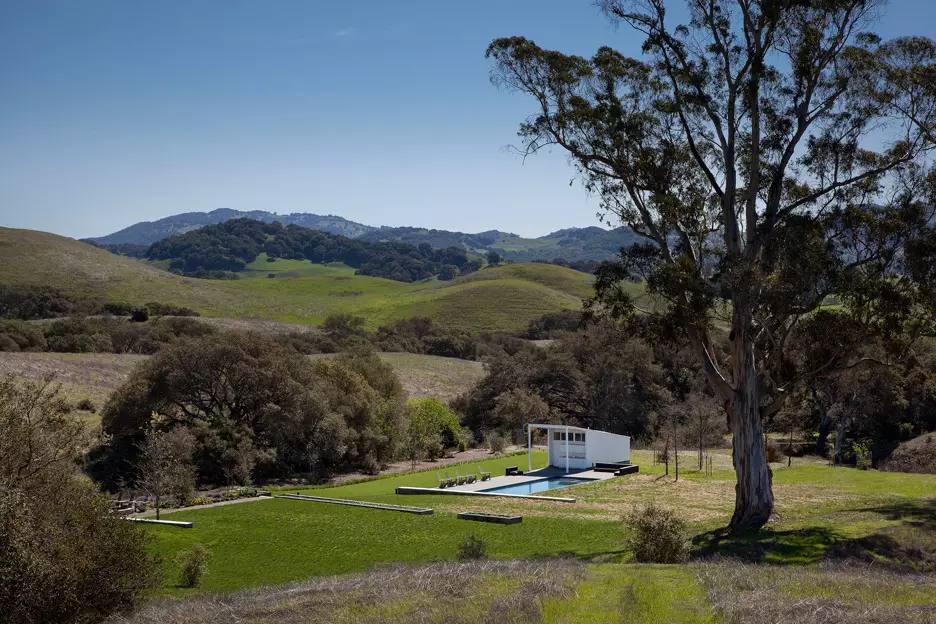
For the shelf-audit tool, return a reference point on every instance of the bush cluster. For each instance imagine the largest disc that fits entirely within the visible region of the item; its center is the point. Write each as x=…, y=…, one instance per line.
x=98, y=335
x=656, y=535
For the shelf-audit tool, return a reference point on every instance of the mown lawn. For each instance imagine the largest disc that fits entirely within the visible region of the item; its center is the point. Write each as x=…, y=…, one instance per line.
x=885, y=517
x=279, y=540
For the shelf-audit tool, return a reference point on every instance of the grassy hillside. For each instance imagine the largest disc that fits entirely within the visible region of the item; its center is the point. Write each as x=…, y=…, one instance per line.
x=96, y=375
x=301, y=292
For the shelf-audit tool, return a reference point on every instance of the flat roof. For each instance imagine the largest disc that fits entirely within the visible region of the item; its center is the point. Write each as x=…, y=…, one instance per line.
x=573, y=428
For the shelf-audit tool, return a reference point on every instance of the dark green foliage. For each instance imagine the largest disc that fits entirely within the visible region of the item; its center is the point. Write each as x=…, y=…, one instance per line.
x=656, y=535
x=63, y=556
x=431, y=420
x=862, y=451
x=448, y=272
x=255, y=407
x=471, y=548
x=140, y=315
x=193, y=565
x=85, y=405
x=493, y=258
x=230, y=246
x=98, y=335
x=168, y=309
x=607, y=377
x=552, y=323
x=585, y=266
x=343, y=327
x=21, y=336
x=420, y=335
x=130, y=250
x=34, y=302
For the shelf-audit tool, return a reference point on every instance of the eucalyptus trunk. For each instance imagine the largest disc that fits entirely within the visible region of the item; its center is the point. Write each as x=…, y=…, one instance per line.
x=753, y=490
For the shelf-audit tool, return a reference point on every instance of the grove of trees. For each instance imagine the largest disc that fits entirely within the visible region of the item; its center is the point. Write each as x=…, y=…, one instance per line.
x=774, y=155
x=232, y=245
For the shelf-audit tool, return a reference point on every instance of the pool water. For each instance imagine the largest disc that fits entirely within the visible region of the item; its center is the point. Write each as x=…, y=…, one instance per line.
x=540, y=485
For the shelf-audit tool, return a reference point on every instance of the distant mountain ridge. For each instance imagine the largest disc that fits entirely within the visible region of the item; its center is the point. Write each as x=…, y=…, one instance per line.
x=148, y=232
x=570, y=244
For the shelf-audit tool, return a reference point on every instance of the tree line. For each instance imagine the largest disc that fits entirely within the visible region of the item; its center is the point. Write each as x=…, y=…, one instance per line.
x=232, y=245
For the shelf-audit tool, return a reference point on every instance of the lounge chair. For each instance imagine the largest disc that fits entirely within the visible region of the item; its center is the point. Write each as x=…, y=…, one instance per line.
x=443, y=482
x=453, y=481
x=459, y=478
x=471, y=477
x=484, y=475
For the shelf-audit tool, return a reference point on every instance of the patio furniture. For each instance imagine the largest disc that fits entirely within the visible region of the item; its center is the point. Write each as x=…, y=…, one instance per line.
x=484, y=475
x=443, y=482
x=511, y=471
x=471, y=477
x=459, y=478
x=455, y=481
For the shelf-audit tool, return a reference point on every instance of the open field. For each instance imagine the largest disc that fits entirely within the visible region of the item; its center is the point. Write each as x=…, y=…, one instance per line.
x=506, y=297
x=828, y=516
x=569, y=591
x=82, y=375
x=96, y=375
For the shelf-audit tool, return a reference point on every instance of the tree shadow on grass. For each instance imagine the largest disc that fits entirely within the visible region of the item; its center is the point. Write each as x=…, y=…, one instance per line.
x=907, y=545
x=795, y=546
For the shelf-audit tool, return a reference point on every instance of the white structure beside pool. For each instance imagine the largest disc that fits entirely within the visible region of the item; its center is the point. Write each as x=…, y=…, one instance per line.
x=575, y=448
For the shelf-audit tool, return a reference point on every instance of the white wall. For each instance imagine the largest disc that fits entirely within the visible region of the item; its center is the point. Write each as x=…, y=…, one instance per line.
x=607, y=447
x=599, y=446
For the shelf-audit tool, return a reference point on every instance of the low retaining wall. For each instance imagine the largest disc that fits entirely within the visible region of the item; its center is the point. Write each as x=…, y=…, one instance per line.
x=487, y=517
x=175, y=523
x=354, y=503
x=422, y=490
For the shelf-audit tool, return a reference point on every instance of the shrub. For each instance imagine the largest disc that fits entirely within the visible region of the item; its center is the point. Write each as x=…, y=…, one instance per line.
x=496, y=442
x=657, y=535
x=433, y=449
x=85, y=405
x=862, y=452
x=200, y=500
x=471, y=548
x=34, y=302
x=193, y=565
x=64, y=557
x=773, y=451
x=140, y=315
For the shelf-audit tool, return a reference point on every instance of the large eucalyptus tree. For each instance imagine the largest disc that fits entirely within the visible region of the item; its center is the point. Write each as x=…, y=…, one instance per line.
x=774, y=155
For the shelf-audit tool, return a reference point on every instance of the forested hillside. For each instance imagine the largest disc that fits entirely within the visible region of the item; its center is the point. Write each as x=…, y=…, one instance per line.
x=232, y=245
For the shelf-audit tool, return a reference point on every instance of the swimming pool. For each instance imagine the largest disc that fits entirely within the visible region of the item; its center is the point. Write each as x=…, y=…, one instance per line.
x=540, y=485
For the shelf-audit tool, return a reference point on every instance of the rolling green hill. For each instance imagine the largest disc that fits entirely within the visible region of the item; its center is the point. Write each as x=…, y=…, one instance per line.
x=493, y=299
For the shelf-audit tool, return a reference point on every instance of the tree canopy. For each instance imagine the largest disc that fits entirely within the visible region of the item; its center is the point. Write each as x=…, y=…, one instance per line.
x=232, y=245
x=773, y=154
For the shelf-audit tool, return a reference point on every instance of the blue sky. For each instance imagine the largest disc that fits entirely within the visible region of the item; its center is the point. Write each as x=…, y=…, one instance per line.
x=117, y=111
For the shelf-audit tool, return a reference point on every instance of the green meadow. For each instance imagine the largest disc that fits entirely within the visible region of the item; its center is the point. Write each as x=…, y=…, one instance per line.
x=499, y=298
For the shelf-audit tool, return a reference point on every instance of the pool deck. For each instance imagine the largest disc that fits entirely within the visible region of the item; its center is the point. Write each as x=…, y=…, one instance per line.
x=536, y=475
x=477, y=488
